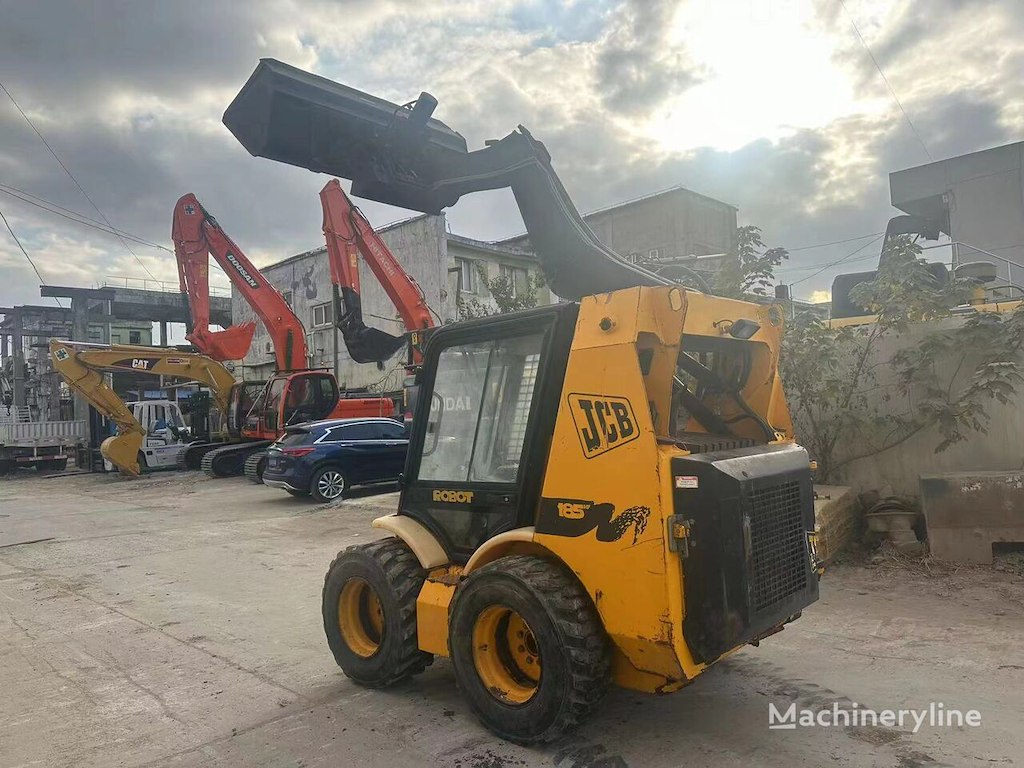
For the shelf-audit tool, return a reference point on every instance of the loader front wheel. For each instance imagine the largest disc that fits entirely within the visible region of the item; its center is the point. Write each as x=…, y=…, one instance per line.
x=528, y=648
x=369, y=612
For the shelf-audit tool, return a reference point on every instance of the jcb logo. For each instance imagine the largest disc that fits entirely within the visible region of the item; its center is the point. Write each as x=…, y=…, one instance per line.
x=603, y=422
x=573, y=510
x=454, y=497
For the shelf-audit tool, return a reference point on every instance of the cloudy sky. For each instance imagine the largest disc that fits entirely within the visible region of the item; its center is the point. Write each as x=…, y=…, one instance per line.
x=772, y=105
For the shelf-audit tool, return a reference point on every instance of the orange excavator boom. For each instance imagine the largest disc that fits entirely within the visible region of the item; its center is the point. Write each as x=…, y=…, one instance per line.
x=197, y=236
x=348, y=235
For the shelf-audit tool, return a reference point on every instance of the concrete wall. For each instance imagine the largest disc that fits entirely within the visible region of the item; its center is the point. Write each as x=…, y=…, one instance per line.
x=898, y=470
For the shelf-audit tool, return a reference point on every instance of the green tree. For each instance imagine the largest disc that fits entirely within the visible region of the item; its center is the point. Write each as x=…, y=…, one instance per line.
x=851, y=398
x=750, y=267
x=507, y=298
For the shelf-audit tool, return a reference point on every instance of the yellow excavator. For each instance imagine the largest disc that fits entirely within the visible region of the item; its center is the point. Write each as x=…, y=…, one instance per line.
x=606, y=490
x=82, y=366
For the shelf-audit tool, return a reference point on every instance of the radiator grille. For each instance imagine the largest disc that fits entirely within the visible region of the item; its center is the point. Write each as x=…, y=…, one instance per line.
x=777, y=543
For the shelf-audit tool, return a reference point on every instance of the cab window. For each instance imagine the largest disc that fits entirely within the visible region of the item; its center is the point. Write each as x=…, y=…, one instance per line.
x=479, y=410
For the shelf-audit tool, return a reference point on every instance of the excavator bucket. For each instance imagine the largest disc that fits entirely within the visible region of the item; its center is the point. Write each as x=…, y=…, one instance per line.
x=123, y=451
x=230, y=344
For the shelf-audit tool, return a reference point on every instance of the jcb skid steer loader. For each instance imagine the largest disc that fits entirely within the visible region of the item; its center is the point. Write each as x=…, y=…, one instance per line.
x=602, y=491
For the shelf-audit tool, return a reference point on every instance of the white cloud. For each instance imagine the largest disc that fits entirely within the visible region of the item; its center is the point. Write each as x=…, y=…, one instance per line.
x=771, y=105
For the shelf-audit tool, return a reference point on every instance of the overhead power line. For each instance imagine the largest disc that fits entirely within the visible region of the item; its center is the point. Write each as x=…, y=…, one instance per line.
x=847, y=257
x=78, y=218
x=72, y=177
x=824, y=245
x=885, y=79
x=22, y=247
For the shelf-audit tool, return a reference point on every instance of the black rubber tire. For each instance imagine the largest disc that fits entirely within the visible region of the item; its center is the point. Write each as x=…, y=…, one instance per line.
x=574, y=649
x=297, y=494
x=314, y=482
x=395, y=575
x=143, y=466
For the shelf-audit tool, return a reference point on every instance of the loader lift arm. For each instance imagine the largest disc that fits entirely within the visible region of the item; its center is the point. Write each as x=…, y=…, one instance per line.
x=197, y=236
x=402, y=156
x=348, y=234
x=82, y=366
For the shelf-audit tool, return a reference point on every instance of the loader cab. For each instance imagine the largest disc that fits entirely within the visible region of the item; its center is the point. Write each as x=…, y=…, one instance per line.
x=485, y=410
x=289, y=399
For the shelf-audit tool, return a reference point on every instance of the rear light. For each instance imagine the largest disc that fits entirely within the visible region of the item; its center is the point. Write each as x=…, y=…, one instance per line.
x=297, y=452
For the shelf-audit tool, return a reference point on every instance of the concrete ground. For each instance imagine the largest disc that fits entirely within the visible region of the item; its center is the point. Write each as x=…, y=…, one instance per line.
x=174, y=620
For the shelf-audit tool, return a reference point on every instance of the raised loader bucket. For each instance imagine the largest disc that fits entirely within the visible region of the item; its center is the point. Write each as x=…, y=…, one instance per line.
x=285, y=114
x=401, y=156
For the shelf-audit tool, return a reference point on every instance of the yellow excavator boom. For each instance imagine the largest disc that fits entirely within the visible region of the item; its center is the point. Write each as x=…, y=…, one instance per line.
x=82, y=366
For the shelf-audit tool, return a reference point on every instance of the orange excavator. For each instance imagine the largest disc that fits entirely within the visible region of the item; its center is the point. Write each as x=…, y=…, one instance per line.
x=349, y=235
x=295, y=393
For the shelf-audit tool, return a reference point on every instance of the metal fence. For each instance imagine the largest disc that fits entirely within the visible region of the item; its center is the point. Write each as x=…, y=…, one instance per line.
x=148, y=284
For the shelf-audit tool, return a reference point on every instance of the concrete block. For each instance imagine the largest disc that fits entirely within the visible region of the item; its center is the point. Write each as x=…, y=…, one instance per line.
x=967, y=512
x=835, y=519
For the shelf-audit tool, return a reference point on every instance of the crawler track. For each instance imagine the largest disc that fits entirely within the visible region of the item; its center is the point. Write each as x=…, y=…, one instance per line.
x=229, y=460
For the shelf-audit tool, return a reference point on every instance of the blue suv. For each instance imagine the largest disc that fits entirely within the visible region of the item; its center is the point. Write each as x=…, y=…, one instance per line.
x=323, y=459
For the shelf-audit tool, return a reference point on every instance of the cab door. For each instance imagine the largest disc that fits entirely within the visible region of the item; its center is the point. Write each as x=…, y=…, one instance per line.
x=484, y=416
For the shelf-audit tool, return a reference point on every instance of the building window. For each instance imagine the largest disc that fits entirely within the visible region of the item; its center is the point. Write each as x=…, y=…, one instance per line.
x=115, y=338
x=134, y=337
x=323, y=314
x=287, y=296
x=467, y=275
x=518, y=278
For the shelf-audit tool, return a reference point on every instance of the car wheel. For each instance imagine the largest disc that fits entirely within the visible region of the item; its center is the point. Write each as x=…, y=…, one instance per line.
x=328, y=484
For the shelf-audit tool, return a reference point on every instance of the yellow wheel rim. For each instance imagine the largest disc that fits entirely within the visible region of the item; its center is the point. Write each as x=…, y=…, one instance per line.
x=506, y=655
x=360, y=618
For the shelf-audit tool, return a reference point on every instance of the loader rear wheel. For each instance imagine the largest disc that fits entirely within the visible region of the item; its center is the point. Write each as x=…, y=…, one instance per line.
x=369, y=611
x=529, y=650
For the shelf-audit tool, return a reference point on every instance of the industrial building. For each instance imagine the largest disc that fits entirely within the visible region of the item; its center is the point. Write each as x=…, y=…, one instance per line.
x=446, y=266
x=977, y=199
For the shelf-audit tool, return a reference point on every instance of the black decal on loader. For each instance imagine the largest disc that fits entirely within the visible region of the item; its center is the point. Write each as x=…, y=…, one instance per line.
x=603, y=422
x=575, y=517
